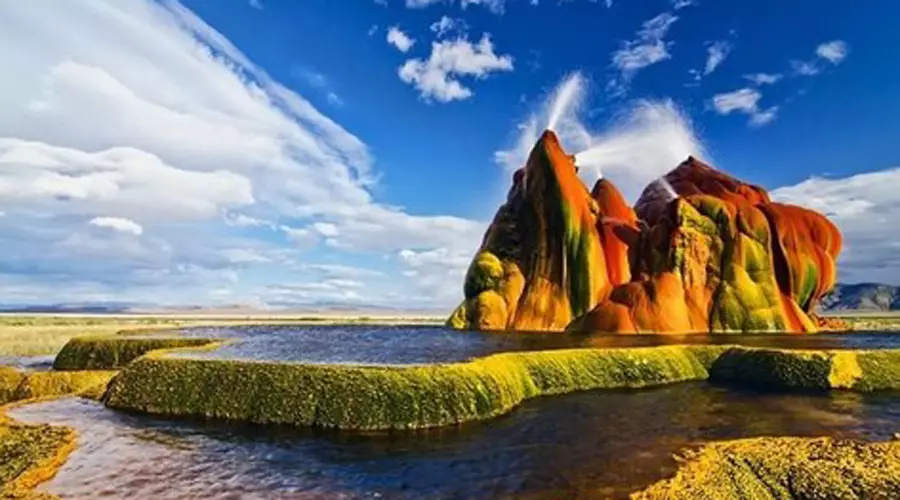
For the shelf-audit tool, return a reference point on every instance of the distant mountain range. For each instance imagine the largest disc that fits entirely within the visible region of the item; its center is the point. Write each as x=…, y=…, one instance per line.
x=873, y=297
x=862, y=297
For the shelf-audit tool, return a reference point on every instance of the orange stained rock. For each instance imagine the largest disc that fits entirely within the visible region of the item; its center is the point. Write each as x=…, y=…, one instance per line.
x=545, y=240
x=718, y=256
x=618, y=229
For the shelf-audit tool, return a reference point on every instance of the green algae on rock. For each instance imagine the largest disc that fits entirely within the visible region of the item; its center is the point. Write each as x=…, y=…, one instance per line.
x=115, y=351
x=784, y=468
x=422, y=396
x=17, y=386
x=386, y=397
x=808, y=370
x=30, y=455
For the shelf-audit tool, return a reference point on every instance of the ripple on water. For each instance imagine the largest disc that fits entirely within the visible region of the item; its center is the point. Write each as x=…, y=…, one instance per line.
x=585, y=444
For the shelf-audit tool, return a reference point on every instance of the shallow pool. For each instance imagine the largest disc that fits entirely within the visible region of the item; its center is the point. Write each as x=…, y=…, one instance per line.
x=430, y=344
x=591, y=444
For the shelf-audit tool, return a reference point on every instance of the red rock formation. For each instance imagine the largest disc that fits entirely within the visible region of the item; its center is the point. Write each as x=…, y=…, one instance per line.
x=707, y=253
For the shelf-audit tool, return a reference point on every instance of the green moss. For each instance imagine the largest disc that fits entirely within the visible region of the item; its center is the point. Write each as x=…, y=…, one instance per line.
x=395, y=397
x=17, y=386
x=880, y=370
x=29, y=455
x=10, y=378
x=458, y=320
x=809, y=370
x=485, y=273
x=784, y=469
x=115, y=351
x=773, y=369
x=48, y=384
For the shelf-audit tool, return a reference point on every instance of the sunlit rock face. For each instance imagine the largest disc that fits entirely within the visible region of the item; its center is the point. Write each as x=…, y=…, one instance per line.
x=701, y=252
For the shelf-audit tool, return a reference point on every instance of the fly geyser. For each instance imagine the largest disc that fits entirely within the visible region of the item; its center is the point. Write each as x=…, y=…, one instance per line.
x=699, y=252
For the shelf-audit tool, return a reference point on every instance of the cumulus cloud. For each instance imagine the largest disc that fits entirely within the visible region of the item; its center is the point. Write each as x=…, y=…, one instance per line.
x=834, y=52
x=744, y=101
x=438, y=77
x=646, y=139
x=865, y=207
x=646, y=49
x=120, y=224
x=143, y=113
x=399, y=39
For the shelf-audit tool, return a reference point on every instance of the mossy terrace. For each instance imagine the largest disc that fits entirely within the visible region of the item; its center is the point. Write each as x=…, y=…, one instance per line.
x=363, y=397
x=784, y=468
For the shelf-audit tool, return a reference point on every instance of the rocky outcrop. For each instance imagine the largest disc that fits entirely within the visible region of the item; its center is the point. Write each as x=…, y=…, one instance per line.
x=700, y=251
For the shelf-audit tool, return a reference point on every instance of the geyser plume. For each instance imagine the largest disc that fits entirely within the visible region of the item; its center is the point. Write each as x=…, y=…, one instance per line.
x=667, y=187
x=567, y=96
x=643, y=143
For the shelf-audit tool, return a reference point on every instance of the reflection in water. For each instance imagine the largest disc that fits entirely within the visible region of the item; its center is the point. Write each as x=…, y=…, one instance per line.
x=403, y=344
x=581, y=445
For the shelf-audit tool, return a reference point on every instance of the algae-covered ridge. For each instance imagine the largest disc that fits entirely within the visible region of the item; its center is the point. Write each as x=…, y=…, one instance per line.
x=784, y=468
x=422, y=396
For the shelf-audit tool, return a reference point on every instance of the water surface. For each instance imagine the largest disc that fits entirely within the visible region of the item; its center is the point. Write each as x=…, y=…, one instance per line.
x=574, y=446
x=431, y=344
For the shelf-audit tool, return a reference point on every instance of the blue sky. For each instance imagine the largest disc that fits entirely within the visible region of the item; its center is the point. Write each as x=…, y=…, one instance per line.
x=281, y=153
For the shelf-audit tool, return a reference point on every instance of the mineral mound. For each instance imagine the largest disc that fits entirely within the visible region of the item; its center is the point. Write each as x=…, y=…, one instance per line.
x=700, y=251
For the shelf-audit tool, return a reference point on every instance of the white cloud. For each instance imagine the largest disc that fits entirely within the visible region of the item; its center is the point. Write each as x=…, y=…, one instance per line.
x=120, y=224
x=865, y=207
x=334, y=100
x=449, y=26
x=680, y=4
x=744, y=101
x=143, y=112
x=495, y=6
x=648, y=48
x=399, y=39
x=805, y=68
x=764, y=78
x=716, y=53
x=834, y=52
x=438, y=77
x=256, y=4
x=648, y=139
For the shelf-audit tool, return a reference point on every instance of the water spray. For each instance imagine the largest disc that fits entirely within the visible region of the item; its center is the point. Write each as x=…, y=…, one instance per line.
x=565, y=97
x=667, y=188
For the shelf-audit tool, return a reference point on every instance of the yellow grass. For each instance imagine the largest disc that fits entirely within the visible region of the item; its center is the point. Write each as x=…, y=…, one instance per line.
x=40, y=334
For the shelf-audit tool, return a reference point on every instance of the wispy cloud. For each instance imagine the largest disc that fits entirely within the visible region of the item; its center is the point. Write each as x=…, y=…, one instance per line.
x=833, y=53
x=495, y=6
x=865, y=207
x=120, y=224
x=256, y=4
x=438, y=77
x=170, y=131
x=764, y=78
x=744, y=101
x=647, y=48
x=716, y=54
x=446, y=26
